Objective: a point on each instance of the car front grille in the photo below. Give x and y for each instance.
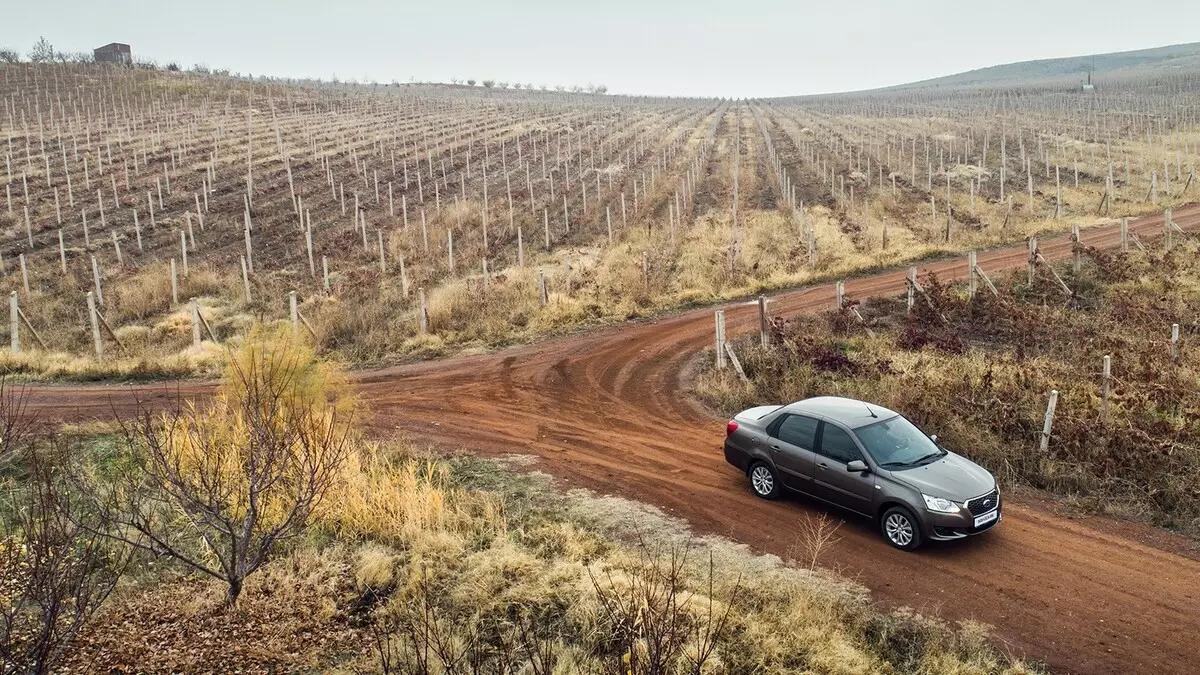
(981, 505)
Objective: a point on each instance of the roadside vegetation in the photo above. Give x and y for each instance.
(262, 531)
(978, 373)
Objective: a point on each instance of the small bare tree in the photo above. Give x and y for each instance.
(54, 573)
(42, 51)
(243, 475)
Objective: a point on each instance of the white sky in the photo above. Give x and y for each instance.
(749, 48)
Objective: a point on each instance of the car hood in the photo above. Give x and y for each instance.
(952, 477)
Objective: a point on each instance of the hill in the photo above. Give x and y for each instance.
(1182, 58)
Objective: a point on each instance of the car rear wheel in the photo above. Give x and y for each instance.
(763, 481)
(900, 528)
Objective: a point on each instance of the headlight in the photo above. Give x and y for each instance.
(940, 505)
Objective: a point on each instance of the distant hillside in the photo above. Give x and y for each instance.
(1185, 58)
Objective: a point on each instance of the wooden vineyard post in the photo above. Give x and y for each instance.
(14, 322)
(184, 248)
(972, 277)
(839, 293)
(1174, 342)
(912, 287)
(520, 249)
(294, 309)
(1124, 235)
(812, 245)
(543, 295)
(737, 365)
(1105, 389)
(96, 280)
(96, 339)
(245, 279)
(450, 248)
(1076, 249)
(763, 334)
(382, 257)
(62, 252)
(174, 284)
(1048, 422)
(195, 307)
(325, 271)
(249, 250)
(1032, 258)
(312, 268)
(24, 272)
(423, 317)
(720, 318)
(1167, 229)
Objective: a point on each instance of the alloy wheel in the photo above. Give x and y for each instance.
(899, 529)
(762, 480)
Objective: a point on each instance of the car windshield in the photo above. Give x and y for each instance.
(896, 442)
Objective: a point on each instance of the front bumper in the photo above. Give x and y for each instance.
(948, 526)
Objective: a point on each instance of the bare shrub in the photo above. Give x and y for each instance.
(652, 620)
(55, 571)
(219, 488)
(817, 535)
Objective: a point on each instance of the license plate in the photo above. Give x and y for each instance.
(986, 518)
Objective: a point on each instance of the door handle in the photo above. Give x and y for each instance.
(775, 448)
(823, 465)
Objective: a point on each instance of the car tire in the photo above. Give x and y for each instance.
(900, 528)
(763, 480)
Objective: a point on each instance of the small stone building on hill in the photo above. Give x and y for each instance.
(114, 53)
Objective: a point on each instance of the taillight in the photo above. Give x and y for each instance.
(730, 428)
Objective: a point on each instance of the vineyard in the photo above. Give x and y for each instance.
(151, 217)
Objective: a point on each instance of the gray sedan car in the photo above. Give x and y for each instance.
(867, 459)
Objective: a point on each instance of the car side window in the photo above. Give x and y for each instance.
(836, 444)
(798, 430)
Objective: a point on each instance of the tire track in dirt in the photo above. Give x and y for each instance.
(607, 410)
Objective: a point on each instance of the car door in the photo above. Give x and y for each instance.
(836, 448)
(791, 443)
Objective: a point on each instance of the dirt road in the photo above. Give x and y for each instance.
(608, 410)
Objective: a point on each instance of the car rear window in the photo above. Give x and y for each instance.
(798, 430)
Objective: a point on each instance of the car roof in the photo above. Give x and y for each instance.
(848, 411)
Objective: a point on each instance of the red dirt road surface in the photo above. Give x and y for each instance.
(608, 410)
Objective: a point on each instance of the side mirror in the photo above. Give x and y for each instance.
(933, 437)
(857, 466)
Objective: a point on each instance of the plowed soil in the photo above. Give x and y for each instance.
(608, 410)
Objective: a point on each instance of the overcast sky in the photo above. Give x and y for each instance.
(747, 48)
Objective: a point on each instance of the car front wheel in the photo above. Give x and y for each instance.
(900, 528)
(763, 481)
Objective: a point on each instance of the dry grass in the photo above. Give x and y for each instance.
(401, 553)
